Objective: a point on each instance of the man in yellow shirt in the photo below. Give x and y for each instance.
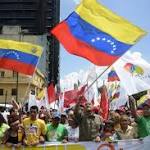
(35, 129)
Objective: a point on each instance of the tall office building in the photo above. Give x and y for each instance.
(36, 17)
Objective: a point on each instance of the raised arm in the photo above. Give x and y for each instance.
(132, 106)
(77, 111)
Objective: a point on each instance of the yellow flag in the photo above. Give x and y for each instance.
(104, 19)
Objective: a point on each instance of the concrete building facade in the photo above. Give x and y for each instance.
(26, 84)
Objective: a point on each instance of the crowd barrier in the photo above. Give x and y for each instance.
(134, 144)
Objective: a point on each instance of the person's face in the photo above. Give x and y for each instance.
(63, 119)
(50, 111)
(88, 107)
(124, 122)
(33, 113)
(72, 123)
(55, 121)
(43, 109)
(146, 111)
(115, 117)
(146, 108)
(42, 116)
(14, 113)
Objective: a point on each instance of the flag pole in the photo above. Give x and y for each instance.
(17, 87)
(17, 73)
(17, 76)
(5, 99)
(97, 78)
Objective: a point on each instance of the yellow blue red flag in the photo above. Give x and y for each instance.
(112, 76)
(19, 56)
(94, 32)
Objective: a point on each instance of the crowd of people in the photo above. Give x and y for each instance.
(79, 123)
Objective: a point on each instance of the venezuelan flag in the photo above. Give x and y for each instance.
(112, 76)
(96, 33)
(19, 56)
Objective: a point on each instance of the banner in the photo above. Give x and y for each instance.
(133, 144)
(134, 73)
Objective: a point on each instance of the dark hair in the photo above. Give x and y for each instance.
(64, 115)
(11, 110)
(76, 123)
(109, 123)
(34, 107)
(2, 120)
(12, 119)
(145, 104)
(42, 107)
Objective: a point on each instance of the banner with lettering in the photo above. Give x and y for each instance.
(134, 144)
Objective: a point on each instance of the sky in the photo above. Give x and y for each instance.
(135, 11)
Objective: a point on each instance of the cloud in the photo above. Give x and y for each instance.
(82, 76)
(137, 55)
(70, 79)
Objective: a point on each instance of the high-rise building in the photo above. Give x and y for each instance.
(35, 17)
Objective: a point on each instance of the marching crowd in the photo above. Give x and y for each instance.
(80, 123)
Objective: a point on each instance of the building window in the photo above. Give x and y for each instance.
(14, 92)
(1, 92)
(2, 74)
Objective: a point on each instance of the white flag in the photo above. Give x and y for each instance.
(120, 98)
(89, 94)
(31, 101)
(61, 102)
(134, 73)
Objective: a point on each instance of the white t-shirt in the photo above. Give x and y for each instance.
(73, 134)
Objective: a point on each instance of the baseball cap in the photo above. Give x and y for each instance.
(56, 115)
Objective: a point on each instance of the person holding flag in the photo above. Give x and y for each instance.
(142, 121)
(89, 123)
